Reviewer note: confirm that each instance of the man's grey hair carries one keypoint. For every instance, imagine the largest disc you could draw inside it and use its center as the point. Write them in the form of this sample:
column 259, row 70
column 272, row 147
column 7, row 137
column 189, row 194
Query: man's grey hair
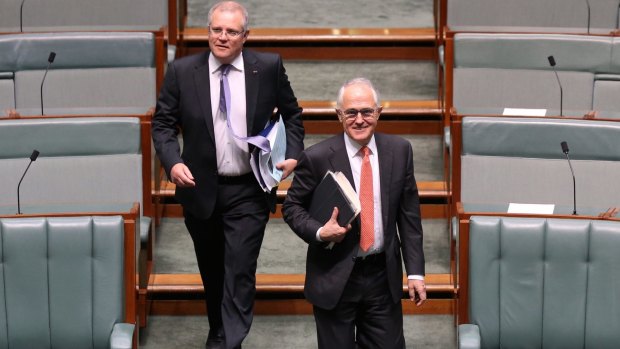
column 229, row 6
column 356, row 81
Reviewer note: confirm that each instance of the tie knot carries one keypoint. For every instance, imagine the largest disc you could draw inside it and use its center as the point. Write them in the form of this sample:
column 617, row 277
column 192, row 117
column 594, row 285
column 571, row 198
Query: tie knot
column 365, row 151
column 225, row 68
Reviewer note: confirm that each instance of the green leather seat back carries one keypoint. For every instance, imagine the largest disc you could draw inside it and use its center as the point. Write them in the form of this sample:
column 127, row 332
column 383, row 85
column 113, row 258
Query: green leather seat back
column 497, row 71
column 58, row 15
column 61, row 281
column 606, row 91
column 93, row 73
column 82, row 161
column 545, row 283
column 561, row 16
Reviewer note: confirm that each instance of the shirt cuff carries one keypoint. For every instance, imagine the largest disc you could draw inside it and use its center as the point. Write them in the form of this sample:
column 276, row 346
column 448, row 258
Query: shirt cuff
column 318, row 235
column 415, row 277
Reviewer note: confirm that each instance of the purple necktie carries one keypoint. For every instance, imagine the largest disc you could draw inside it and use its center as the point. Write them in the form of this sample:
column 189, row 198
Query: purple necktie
column 258, row 141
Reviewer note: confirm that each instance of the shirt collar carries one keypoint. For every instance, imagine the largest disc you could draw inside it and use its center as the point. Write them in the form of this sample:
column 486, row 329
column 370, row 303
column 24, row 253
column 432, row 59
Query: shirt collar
column 214, row 64
column 353, row 147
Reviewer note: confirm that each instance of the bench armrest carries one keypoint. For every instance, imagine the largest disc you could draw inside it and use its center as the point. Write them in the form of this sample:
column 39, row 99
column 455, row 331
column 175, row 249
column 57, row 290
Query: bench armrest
column 469, row 336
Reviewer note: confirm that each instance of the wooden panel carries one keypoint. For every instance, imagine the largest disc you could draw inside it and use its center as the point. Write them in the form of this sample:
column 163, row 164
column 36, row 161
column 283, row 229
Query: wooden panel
column 399, row 109
column 400, row 127
column 322, row 35
column 428, row 210
column 338, row 53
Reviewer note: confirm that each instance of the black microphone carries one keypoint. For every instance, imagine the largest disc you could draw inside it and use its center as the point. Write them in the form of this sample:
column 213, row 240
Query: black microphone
column 50, row 60
column 21, row 17
column 33, row 157
column 565, row 151
column 552, row 63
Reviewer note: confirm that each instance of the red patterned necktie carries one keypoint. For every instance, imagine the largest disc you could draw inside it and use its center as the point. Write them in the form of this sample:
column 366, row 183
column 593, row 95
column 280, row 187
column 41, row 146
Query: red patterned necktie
column 367, row 216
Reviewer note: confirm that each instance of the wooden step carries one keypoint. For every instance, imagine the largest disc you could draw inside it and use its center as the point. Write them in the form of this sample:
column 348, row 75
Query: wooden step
column 440, row 285
column 330, row 43
column 430, row 189
column 278, row 294
column 434, row 198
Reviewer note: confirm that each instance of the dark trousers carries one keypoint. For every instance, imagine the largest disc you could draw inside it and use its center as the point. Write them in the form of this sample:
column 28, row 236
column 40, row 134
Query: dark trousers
column 365, row 317
column 227, row 247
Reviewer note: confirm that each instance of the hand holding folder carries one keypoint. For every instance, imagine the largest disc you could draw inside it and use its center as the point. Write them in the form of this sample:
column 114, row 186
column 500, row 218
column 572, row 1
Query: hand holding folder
column 335, row 190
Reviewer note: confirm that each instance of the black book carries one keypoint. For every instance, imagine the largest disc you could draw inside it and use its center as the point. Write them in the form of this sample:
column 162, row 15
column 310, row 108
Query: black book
column 335, row 191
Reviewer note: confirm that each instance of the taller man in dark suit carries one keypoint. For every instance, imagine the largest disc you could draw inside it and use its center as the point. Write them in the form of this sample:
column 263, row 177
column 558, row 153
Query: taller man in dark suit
column 224, row 207
column 356, row 285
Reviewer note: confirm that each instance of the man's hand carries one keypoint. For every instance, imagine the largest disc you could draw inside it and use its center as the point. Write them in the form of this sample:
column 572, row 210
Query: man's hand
column 287, row 166
column 181, row 176
column 331, row 231
column 417, row 291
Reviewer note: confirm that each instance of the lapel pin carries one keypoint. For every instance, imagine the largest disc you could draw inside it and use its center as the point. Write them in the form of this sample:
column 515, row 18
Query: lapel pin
column 254, row 71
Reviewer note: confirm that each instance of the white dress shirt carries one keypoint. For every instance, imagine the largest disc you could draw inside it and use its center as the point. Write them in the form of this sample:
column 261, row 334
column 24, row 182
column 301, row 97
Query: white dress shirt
column 232, row 154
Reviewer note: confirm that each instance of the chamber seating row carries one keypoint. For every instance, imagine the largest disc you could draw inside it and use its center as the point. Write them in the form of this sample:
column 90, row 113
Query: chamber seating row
column 559, row 16
column 92, row 73
column 538, row 283
column 486, row 73
column 92, row 15
column 86, row 164
column 499, row 160
column 68, row 282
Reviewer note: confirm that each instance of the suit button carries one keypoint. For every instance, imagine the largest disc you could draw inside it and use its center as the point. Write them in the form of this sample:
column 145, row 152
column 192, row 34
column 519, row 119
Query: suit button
column 353, row 259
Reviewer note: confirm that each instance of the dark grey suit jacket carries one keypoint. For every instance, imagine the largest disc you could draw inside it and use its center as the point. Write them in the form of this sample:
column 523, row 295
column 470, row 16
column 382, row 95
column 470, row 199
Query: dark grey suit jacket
column 185, row 102
column 327, row 271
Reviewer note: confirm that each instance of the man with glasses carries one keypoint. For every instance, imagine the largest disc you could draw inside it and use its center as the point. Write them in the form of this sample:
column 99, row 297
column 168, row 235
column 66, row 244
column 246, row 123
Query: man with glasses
column 354, row 274
column 220, row 99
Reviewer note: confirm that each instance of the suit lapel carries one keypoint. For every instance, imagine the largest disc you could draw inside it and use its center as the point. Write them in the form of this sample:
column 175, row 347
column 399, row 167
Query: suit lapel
column 339, row 160
column 202, row 81
column 252, row 73
column 385, row 169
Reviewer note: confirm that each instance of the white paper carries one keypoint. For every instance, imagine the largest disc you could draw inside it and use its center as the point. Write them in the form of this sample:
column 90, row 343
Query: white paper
column 524, row 112
column 264, row 163
column 531, row 208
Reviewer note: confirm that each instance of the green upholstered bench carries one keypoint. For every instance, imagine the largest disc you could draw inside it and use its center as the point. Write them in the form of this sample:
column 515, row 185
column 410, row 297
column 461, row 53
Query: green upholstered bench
column 91, row 15
column 539, row 283
column 490, row 72
column 63, row 283
column 85, row 163
column 93, row 72
column 560, row 16
column 500, row 160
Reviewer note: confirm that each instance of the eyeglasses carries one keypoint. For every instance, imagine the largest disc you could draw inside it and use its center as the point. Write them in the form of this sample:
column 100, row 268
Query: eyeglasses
column 351, row 114
column 229, row 33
